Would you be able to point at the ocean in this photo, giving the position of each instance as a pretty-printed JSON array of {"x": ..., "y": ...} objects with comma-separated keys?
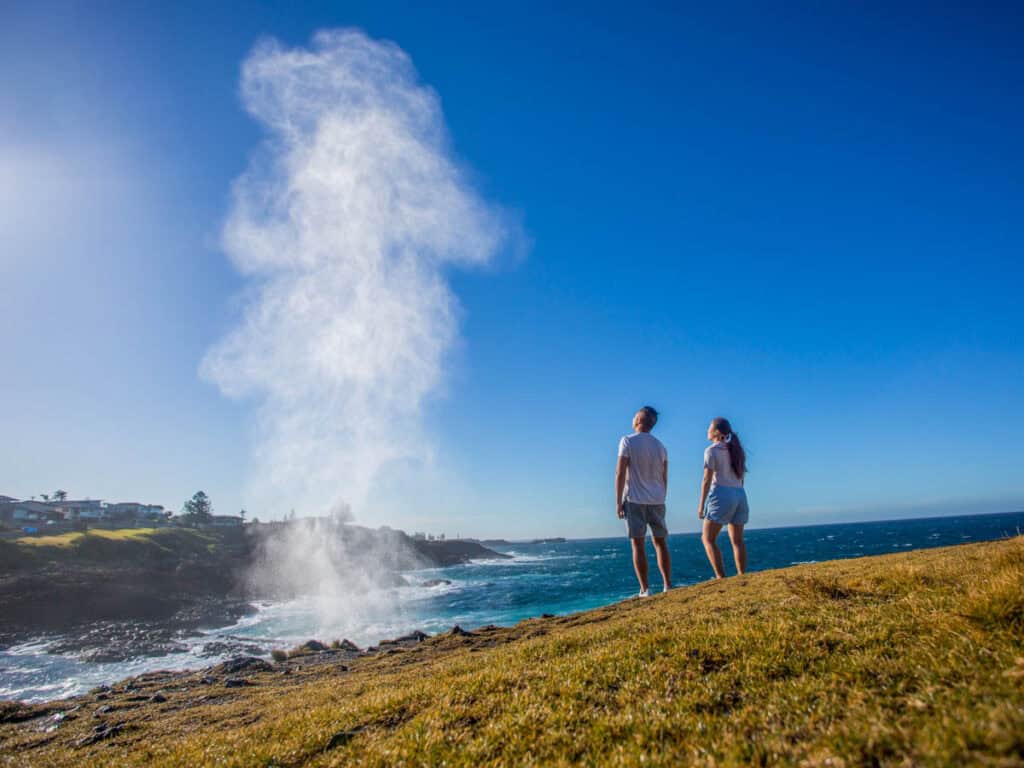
[{"x": 555, "y": 578}]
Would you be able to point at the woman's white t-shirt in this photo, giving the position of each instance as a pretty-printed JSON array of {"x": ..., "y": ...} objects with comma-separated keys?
[{"x": 716, "y": 458}]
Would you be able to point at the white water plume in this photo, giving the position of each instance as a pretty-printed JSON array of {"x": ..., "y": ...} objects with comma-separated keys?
[
  {"x": 343, "y": 224},
  {"x": 340, "y": 576}
]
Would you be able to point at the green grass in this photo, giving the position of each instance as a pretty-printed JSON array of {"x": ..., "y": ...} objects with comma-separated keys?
[
  {"x": 71, "y": 540},
  {"x": 107, "y": 547},
  {"x": 909, "y": 659}
]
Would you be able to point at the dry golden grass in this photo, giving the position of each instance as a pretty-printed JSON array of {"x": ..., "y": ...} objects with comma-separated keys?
[
  {"x": 111, "y": 547},
  {"x": 69, "y": 540},
  {"x": 908, "y": 659}
]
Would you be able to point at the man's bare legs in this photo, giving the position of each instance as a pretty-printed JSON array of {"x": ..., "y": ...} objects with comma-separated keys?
[
  {"x": 640, "y": 561},
  {"x": 709, "y": 537},
  {"x": 664, "y": 560},
  {"x": 739, "y": 548}
]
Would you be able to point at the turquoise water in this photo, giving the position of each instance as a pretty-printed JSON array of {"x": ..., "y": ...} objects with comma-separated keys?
[
  {"x": 581, "y": 574},
  {"x": 555, "y": 578}
]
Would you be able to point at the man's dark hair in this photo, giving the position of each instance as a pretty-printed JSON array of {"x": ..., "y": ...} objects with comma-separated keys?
[{"x": 648, "y": 417}]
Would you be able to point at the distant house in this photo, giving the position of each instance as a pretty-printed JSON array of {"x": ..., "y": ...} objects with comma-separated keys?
[
  {"x": 82, "y": 509},
  {"x": 33, "y": 511},
  {"x": 226, "y": 521},
  {"x": 133, "y": 510},
  {"x": 4, "y": 499},
  {"x": 7, "y": 510},
  {"x": 153, "y": 512}
]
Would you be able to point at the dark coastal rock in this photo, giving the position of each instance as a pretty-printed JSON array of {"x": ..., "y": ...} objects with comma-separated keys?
[
  {"x": 455, "y": 552},
  {"x": 134, "y": 650},
  {"x": 458, "y": 631},
  {"x": 312, "y": 646},
  {"x": 232, "y": 647},
  {"x": 413, "y": 637},
  {"x": 341, "y": 738},
  {"x": 436, "y": 582},
  {"x": 211, "y": 612},
  {"x": 16, "y": 712},
  {"x": 100, "y": 732},
  {"x": 348, "y": 645},
  {"x": 53, "y": 722},
  {"x": 242, "y": 664},
  {"x": 114, "y": 641},
  {"x": 236, "y": 682}
]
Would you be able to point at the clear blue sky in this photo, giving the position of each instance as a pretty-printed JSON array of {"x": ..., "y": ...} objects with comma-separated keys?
[{"x": 808, "y": 220}]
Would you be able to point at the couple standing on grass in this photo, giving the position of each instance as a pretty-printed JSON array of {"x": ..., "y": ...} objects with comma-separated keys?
[{"x": 641, "y": 480}]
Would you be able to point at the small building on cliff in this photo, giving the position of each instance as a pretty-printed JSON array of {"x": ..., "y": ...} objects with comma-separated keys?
[
  {"x": 133, "y": 510},
  {"x": 81, "y": 509}
]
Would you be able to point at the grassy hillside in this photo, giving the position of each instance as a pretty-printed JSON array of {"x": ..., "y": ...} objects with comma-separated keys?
[
  {"x": 909, "y": 659},
  {"x": 127, "y": 545},
  {"x": 53, "y": 583}
]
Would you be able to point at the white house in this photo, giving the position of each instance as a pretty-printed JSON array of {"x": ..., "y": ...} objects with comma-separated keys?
[
  {"x": 134, "y": 510},
  {"x": 82, "y": 509},
  {"x": 32, "y": 511}
]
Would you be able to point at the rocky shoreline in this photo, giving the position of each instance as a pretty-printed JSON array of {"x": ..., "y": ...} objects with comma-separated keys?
[
  {"x": 118, "y": 641},
  {"x": 111, "y": 600},
  {"x": 107, "y": 706}
]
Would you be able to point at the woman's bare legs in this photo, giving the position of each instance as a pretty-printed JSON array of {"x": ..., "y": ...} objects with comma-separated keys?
[
  {"x": 739, "y": 548},
  {"x": 709, "y": 537}
]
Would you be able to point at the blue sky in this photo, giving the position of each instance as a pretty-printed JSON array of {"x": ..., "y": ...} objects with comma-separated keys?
[{"x": 808, "y": 221}]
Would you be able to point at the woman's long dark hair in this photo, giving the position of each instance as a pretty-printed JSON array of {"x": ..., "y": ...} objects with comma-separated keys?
[{"x": 737, "y": 456}]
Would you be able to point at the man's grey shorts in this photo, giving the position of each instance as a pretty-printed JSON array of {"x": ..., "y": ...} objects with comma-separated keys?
[
  {"x": 727, "y": 506},
  {"x": 639, "y": 516}
]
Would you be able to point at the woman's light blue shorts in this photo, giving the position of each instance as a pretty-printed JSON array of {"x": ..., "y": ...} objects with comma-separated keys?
[{"x": 726, "y": 505}]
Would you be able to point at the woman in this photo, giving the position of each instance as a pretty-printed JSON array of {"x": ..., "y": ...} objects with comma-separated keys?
[{"x": 725, "y": 464}]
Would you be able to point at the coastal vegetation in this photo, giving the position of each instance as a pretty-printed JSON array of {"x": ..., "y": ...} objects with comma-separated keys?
[
  {"x": 198, "y": 510},
  {"x": 914, "y": 658}
]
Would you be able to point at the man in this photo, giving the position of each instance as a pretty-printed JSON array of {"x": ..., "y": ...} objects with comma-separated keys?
[{"x": 641, "y": 480}]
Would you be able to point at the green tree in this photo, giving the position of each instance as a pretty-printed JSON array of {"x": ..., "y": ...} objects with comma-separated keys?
[
  {"x": 60, "y": 495},
  {"x": 241, "y": 514},
  {"x": 198, "y": 509},
  {"x": 45, "y": 496}
]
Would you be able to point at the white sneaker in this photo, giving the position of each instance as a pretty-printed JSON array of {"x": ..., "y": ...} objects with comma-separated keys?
[{"x": 645, "y": 593}]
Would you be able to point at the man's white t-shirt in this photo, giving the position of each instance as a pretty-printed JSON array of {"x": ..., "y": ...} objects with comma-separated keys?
[{"x": 645, "y": 476}]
